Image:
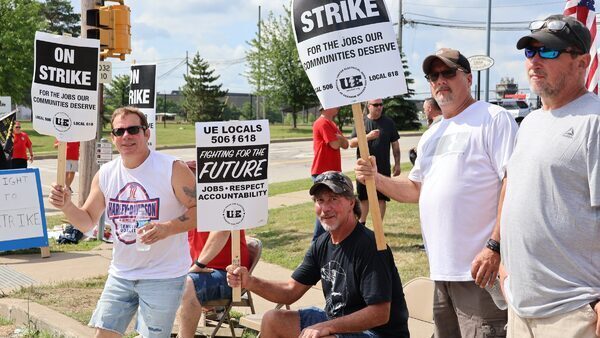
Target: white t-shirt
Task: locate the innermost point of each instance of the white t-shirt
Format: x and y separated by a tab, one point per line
148	186
461	165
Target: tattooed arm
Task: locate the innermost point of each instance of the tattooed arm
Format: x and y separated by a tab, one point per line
184	187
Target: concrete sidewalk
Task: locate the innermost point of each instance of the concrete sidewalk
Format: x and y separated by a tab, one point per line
26	270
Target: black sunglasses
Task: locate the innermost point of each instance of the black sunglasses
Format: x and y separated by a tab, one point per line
336	177
446	74
554	26
132	130
546	53
376	104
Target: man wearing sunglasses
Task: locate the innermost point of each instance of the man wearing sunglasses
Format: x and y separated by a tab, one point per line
551	211
381	134
362	287
147	282
456	180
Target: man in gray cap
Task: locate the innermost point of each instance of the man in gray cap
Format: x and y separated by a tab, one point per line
456	180
362	288
550	221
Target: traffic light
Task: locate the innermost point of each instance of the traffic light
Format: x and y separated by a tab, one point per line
112	27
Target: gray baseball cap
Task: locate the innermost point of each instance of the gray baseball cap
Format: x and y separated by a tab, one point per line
451	57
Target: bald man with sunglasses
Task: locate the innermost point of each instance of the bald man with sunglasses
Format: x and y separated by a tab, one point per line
140	180
550	221
456	180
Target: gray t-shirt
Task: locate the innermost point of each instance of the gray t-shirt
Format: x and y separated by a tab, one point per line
550	224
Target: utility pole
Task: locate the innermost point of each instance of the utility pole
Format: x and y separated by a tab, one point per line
487	71
400	21
88	166
259	63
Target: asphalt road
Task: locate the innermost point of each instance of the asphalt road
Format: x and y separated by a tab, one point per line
287	161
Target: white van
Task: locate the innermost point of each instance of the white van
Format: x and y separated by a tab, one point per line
517	108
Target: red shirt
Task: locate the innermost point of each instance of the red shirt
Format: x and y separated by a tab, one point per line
72	150
21	143
223	259
326	158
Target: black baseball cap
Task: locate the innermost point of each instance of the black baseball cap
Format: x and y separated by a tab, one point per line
573	34
451	57
335	181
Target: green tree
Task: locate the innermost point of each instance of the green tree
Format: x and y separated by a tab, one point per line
399	108
200	93
164	105
275	68
116	94
19	20
60	17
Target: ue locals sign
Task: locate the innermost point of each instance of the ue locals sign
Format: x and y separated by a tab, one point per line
348	49
142	94
22	218
64	92
231	174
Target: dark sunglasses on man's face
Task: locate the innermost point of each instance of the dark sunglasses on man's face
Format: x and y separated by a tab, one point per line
446	74
546	53
133	130
376	104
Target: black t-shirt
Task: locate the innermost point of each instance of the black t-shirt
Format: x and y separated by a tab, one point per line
354	274
380	147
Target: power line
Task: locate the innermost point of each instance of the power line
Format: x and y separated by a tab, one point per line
421	4
458	26
469	22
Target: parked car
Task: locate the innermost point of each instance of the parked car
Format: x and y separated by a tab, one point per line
517	108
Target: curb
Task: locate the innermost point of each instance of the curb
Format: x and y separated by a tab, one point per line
24	312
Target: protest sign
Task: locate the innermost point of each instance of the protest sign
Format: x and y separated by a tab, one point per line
348	50
231	173
64	92
142	94
22	218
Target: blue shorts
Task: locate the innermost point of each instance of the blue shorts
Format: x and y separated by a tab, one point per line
155	300
313	315
211	286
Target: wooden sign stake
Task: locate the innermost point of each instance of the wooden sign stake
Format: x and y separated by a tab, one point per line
236	293
359	125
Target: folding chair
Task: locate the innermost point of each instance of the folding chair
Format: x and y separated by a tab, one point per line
254	251
418	293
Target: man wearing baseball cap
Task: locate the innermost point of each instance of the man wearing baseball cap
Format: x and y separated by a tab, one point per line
362	287
456	180
550	222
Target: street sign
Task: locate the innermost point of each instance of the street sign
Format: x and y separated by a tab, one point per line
104	72
480	62
103	151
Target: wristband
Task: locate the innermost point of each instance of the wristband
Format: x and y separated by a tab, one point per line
493	245
200	265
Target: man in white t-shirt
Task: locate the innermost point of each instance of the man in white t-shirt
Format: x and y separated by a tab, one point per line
550	224
456	180
149	282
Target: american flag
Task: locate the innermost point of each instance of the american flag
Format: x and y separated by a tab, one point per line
584	11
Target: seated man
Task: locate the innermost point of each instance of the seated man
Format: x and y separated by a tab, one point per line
211	253
361	285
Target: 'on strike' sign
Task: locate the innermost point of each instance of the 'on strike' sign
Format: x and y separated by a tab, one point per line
348	49
64	92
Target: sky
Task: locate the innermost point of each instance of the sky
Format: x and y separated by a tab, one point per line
164	31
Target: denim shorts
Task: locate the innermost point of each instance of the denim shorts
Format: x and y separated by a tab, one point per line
211	286
313	315
155	300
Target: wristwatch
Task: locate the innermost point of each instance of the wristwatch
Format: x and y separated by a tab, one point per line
200	265
493	245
